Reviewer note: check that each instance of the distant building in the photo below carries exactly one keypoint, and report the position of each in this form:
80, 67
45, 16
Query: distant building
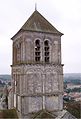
37, 72
4, 99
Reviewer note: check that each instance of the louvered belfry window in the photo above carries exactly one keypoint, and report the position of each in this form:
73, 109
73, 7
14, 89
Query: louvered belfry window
37, 50
46, 51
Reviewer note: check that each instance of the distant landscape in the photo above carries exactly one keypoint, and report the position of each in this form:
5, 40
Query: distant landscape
74, 78
5, 77
4, 80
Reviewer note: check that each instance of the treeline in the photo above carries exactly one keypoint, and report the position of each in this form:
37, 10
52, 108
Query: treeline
74, 81
73, 90
5, 77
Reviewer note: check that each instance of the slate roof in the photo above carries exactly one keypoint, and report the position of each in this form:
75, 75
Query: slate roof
38, 23
64, 114
44, 114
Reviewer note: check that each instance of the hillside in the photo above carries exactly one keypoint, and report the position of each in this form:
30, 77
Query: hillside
5, 77
74, 78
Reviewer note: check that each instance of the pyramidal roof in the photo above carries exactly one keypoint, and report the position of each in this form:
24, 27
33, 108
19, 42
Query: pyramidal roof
37, 22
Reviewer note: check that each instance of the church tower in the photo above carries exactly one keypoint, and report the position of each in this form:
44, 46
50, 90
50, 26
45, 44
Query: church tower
37, 72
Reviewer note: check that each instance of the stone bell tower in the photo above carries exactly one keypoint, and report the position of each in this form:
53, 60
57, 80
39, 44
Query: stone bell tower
37, 72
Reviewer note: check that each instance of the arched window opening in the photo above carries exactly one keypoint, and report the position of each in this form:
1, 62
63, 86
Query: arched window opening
37, 50
46, 51
46, 43
37, 42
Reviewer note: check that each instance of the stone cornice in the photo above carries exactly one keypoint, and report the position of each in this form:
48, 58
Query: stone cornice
35, 64
41, 94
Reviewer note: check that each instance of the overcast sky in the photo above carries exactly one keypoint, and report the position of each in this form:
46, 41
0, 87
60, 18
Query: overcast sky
65, 15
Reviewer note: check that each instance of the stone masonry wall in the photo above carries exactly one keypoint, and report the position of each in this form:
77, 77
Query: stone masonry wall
24, 47
39, 83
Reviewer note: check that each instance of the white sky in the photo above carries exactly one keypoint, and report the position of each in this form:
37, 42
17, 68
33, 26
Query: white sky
65, 15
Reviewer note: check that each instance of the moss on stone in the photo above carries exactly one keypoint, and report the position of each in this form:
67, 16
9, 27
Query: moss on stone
10, 113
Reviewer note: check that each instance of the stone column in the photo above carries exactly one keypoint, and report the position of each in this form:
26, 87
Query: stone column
23, 51
43, 86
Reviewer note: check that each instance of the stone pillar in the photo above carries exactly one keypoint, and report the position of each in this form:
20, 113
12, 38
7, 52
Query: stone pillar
43, 86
